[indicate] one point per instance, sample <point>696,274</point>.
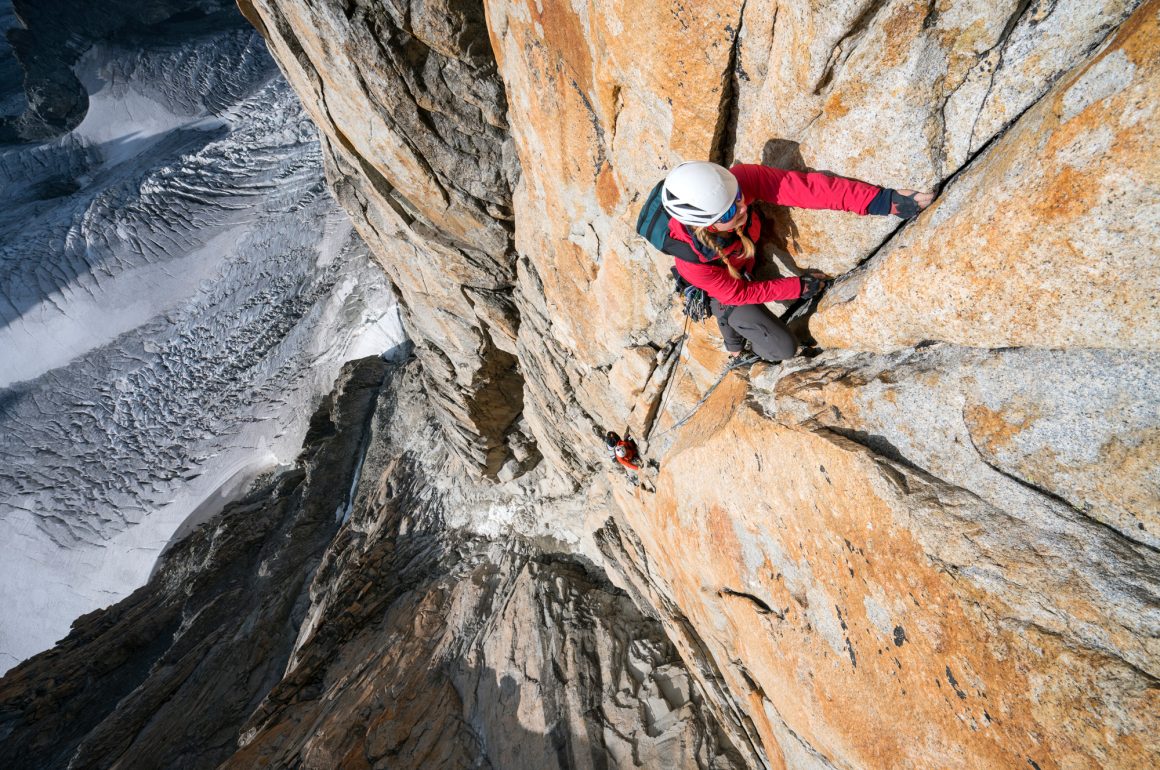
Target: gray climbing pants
<point>768,336</point>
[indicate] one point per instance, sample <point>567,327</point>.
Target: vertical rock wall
<point>901,94</point>
<point>881,593</point>
<point>1047,240</point>
<point>414,128</point>
<point>602,100</point>
<point>915,555</point>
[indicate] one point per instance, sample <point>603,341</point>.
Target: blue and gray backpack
<point>653,221</point>
<point>652,224</point>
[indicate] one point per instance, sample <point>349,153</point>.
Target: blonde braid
<point>703,236</point>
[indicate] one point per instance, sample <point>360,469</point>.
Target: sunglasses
<point>731,211</point>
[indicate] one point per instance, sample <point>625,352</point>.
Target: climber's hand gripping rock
<point>907,203</point>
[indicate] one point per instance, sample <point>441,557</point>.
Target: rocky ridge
<point>385,635</point>
<point>932,545</point>
<point>428,184</point>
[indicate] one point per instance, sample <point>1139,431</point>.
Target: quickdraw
<point>696,305</point>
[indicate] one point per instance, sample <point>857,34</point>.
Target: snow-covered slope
<point>177,289</point>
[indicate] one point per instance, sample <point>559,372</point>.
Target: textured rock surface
<point>898,93</point>
<point>413,121</point>
<point>379,639</point>
<point>870,614</point>
<point>1015,427</point>
<point>1049,240</point>
<point>914,556</point>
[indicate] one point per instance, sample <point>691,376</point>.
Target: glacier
<point>177,291</point>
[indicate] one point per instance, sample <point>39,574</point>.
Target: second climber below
<point>713,234</point>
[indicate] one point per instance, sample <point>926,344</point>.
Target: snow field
<point>177,291</point>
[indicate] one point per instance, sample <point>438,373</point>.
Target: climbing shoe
<point>810,351</point>
<point>741,361</point>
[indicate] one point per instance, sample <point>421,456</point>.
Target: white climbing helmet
<point>697,193</point>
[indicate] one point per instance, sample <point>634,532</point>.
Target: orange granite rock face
<point>1049,240</point>
<point>894,92</point>
<point>863,614</point>
<point>972,619</point>
<point>603,102</point>
<point>1015,427</point>
<point>940,556</point>
<point>933,543</point>
<point>920,555</point>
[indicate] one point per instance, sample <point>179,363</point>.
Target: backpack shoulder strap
<point>681,250</point>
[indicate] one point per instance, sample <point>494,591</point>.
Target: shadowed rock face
<point>939,551</point>
<point>279,635</point>
<point>427,645</point>
<point>413,118</point>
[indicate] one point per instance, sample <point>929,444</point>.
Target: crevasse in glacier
<point>177,288</point>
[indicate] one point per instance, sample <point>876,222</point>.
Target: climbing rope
<point>672,376</point>
<point>740,362</point>
<point>795,310</point>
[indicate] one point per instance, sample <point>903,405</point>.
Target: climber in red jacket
<point>713,232</point>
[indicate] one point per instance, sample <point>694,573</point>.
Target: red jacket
<point>782,188</point>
